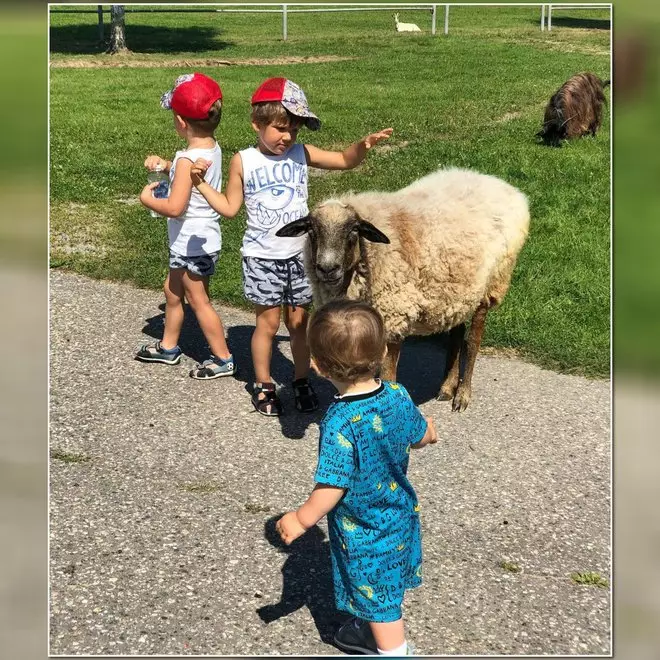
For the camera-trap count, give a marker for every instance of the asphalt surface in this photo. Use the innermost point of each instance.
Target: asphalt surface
(163, 492)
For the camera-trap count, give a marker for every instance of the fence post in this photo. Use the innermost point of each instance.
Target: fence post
(99, 10)
(284, 21)
(433, 20)
(446, 19)
(542, 18)
(549, 18)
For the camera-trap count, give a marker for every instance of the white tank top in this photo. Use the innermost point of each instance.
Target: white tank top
(197, 231)
(275, 193)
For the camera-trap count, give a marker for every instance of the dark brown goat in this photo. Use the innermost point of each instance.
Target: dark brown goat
(575, 109)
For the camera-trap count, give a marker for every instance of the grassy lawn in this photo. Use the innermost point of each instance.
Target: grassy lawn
(473, 99)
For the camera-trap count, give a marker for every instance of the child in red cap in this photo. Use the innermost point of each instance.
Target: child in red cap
(192, 225)
(272, 180)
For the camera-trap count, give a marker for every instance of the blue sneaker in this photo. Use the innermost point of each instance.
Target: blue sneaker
(214, 368)
(156, 353)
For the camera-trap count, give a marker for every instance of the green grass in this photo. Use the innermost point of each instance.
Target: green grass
(472, 99)
(590, 578)
(68, 457)
(510, 566)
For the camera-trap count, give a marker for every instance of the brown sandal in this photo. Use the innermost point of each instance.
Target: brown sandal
(270, 405)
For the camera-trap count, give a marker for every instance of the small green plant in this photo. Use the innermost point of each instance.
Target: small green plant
(590, 578)
(250, 507)
(510, 566)
(68, 457)
(201, 487)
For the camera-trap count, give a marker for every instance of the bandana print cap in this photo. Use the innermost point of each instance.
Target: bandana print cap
(290, 96)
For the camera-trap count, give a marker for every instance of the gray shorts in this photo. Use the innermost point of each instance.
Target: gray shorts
(202, 265)
(273, 282)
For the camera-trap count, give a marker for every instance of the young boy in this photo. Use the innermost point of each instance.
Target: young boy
(272, 179)
(361, 483)
(192, 225)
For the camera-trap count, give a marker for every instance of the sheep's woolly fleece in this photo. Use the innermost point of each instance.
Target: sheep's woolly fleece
(455, 237)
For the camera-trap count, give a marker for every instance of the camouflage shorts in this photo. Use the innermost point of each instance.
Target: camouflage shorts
(202, 265)
(273, 282)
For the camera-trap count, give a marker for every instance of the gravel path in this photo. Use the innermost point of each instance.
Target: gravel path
(163, 490)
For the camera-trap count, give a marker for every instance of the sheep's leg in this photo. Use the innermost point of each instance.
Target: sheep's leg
(464, 391)
(452, 372)
(391, 361)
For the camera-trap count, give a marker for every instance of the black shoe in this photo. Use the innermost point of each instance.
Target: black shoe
(305, 396)
(355, 635)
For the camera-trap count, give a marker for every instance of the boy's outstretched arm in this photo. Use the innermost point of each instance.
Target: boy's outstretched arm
(295, 523)
(177, 202)
(347, 159)
(228, 203)
(430, 437)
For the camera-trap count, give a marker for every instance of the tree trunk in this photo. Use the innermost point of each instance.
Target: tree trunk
(117, 32)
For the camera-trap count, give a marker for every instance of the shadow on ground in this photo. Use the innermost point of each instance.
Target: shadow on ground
(83, 39)
(421, 367)
(306, 581)
(576, 22)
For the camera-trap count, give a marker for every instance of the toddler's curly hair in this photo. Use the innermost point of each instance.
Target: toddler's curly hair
(347, 340)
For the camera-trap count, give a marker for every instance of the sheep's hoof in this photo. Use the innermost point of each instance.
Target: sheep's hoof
(461, 400)
(446, 394)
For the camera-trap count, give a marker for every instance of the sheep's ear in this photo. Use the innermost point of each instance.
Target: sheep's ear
(295, 228)
(368, 231)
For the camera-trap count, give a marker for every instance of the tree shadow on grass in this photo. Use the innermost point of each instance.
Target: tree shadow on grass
(577, 22)
(306, 581)
(83, 39)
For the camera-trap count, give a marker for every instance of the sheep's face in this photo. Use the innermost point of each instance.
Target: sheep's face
(334, 230)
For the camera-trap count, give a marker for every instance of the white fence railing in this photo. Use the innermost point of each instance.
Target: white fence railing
(300, 8)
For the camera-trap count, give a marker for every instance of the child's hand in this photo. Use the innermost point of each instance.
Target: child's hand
(430, 437)
(432, 433)
(375, 138)
(198, 170)
(289, 527)
(153, 162)
(146, 193)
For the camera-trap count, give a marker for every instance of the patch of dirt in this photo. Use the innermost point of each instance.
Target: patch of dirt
(390, 147)
(128, 62)
(508, 116)
(73, 231)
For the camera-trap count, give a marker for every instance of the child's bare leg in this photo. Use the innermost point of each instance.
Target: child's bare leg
(267, 325)
(389, 636)
(296, 322)
(174, 293)
(196, 290)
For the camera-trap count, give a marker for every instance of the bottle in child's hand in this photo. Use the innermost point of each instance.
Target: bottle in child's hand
(162, 190)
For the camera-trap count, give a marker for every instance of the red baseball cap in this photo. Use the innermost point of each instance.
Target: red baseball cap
(192, 96)
(290, 96)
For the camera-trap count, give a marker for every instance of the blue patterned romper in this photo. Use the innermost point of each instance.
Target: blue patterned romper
(375, 537)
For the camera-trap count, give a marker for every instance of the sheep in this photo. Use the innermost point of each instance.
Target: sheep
(574, 110)
(428, 257)
(404, 27)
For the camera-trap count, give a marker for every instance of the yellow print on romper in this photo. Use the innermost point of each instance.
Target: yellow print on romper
(400, 547)
(395, 386)
(379, 486)
(341, 439)
(367, 591)
(418, 572)
(348, 524)
(356, 418)
(377, 424)
(393, 486)
(417, 508)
